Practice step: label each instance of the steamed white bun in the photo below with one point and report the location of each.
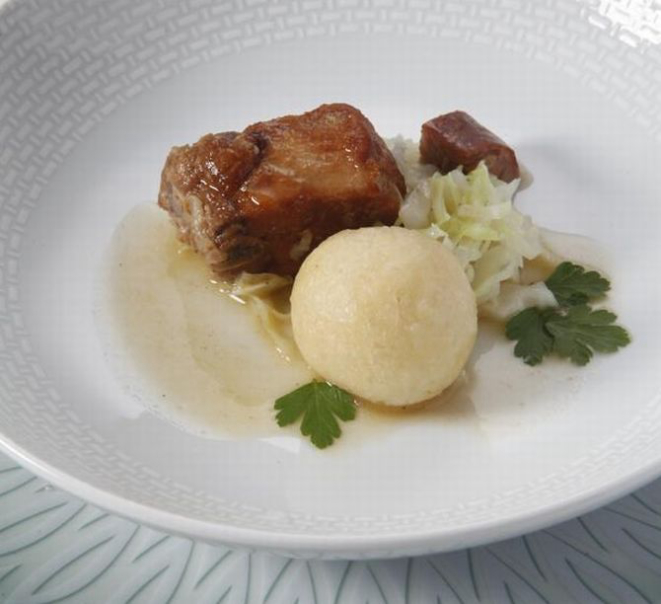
(385, 313)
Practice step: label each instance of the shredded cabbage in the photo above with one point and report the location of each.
(473, 216)
(267, 295)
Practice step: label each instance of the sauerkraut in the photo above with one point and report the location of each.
(472, 215)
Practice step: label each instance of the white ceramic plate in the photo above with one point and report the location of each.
(93, 95)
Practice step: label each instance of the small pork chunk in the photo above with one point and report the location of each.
(262, 199)
(456, 139)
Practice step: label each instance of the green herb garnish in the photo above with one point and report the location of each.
(571, 284)
(581, 330)
(320, 404)
(572, 330)
(534, 341)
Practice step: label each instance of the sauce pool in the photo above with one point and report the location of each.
(196, 355)
(192, 352)
(180, 342)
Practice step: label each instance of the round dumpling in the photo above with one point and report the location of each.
(385, 313)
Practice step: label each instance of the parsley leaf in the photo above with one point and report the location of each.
(320, 403)
(571, 284)
(572, 330)
(534, 341)
(581, 330)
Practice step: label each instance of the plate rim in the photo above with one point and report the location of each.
(333, 545)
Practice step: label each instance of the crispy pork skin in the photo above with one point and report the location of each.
(261, 199)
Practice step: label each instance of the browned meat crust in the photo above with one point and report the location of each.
(260, 200)
(456, 139)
